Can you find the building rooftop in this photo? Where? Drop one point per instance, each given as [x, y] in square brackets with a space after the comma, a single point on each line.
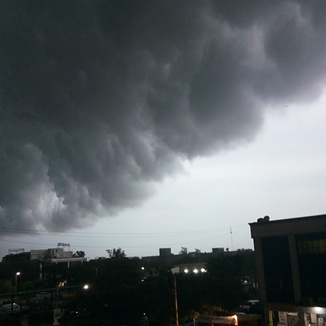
[298, 225]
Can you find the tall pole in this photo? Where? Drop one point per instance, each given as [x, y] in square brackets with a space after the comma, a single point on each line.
[231, 238]
[56, 311]
[176, 300]
[57, 286]
[41, 271]
[16, 275]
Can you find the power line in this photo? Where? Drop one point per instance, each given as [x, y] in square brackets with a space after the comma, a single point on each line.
[217, 234]
[104, 234]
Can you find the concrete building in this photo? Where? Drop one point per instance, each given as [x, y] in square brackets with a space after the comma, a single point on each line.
[291, 269]
[165, 252]
[52, 253]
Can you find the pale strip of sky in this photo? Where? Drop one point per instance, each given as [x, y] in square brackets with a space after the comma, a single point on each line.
[281, 174]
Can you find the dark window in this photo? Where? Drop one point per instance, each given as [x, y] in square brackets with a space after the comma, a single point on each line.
[278, 273]
[312, 264]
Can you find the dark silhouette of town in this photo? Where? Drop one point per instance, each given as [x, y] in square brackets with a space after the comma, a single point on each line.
[281, 282]
[126, 291]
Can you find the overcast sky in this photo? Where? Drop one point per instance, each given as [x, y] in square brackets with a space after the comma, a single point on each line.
[142, 124]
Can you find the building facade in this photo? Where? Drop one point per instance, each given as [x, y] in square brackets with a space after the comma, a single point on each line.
[291, 269]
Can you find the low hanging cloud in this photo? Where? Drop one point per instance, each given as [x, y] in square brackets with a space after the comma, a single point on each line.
[99, 99]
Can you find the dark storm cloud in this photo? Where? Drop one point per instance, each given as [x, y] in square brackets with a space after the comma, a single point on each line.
[99, 99]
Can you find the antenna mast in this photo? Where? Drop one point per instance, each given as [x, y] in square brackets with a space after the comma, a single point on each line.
[231, 238]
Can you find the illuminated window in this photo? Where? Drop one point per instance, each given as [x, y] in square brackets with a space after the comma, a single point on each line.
[312, 246]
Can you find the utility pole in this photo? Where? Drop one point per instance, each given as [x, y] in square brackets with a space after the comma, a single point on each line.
[176, 300]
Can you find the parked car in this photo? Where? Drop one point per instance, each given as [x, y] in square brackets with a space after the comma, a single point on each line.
[251, 307]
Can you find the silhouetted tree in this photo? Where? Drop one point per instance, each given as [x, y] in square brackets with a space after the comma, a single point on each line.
[183, 251]
[116, 253]
[79, 254]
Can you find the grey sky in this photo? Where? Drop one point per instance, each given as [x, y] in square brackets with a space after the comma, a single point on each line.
[101, 101]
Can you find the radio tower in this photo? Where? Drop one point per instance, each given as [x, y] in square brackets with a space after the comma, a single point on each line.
[231, 238]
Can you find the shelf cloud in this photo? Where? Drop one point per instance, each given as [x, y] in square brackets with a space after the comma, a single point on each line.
[101, 99]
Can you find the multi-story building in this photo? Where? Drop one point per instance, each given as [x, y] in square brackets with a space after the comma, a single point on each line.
[53, 253]
[291, 269]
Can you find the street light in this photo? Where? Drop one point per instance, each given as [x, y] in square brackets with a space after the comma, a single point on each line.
[176, 300]
[16, 275]
[175, 271]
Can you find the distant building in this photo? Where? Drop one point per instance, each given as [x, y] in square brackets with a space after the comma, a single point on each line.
[18, 257]
[291, 268]
[44, 256]
[52, 253]
[217, 251]
[165, 252]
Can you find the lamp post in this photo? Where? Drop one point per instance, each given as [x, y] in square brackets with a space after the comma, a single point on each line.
[176, 300]
[16, 275]
[175, 271]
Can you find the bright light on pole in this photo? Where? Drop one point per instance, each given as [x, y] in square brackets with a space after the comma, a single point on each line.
[16, 275]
